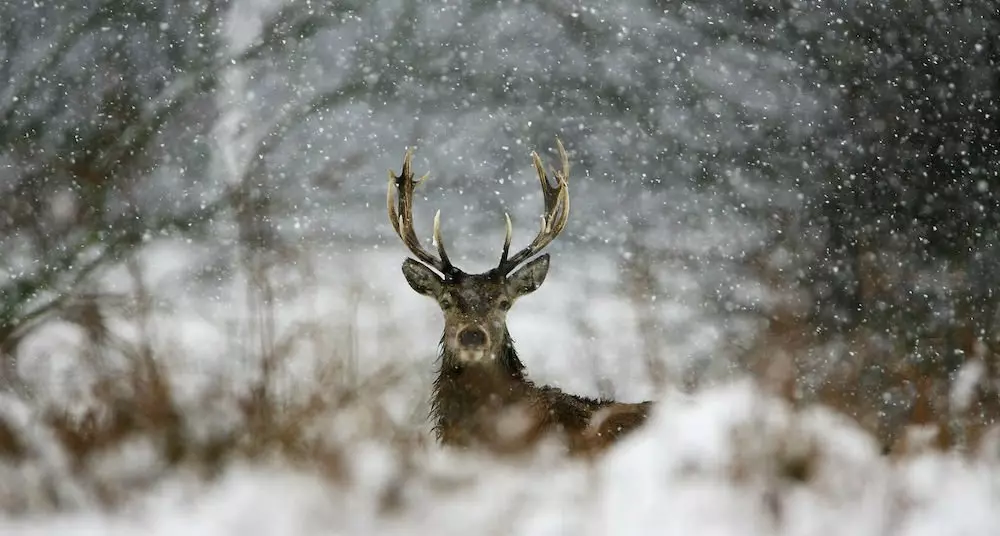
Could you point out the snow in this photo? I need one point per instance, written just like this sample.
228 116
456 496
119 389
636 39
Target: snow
848 147
709 463
727 459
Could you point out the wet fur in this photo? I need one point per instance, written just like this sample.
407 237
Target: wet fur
469 400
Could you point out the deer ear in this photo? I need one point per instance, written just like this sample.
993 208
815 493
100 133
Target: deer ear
529 277
421 278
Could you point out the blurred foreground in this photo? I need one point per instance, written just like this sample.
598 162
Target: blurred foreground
299 408
785 228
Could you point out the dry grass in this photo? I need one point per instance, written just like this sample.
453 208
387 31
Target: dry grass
141 415
938 390
134 427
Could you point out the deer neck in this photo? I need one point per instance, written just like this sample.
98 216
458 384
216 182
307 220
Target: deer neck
463 392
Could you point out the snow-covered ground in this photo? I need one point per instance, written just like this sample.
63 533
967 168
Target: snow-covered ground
727 460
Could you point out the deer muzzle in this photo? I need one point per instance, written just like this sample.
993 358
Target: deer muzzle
472 343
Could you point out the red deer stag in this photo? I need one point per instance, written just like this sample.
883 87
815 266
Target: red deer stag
481 396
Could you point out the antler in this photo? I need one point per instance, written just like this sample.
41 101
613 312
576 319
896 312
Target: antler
553 219
402 218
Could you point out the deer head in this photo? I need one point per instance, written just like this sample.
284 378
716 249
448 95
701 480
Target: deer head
475 305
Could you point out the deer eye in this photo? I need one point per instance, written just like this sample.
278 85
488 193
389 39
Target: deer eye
446 302
504 304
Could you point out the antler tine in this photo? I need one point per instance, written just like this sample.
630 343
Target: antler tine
556 200
438 242
401 216
506 240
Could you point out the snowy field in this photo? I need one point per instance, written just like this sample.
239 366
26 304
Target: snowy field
727 460
802 190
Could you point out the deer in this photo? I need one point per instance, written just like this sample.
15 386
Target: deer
481 395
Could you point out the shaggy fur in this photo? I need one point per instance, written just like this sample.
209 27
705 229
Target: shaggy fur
471 402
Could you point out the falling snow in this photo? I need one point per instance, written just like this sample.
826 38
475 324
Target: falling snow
785 229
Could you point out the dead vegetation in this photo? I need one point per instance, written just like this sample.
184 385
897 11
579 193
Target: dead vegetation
135 425
913 381
141 412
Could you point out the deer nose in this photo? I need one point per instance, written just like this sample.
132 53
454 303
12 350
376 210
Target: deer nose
472 336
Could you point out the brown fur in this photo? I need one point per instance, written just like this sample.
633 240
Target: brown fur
469 403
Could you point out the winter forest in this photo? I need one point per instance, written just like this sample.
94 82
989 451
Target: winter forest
785 233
